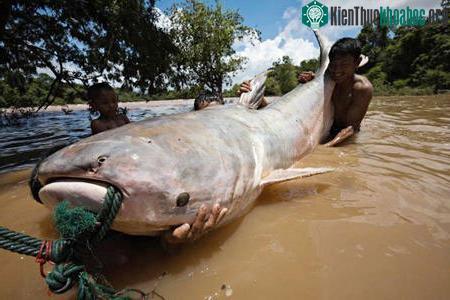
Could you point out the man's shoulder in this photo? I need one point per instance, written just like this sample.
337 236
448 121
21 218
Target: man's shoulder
362 86
98 124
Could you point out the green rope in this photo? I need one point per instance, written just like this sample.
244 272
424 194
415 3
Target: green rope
73 223
19 237
27 245
111 206
63 277
77 228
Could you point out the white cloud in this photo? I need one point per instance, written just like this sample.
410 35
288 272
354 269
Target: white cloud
296 40
292 40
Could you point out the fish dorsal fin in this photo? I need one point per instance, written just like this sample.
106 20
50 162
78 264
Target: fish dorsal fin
254 98
281 175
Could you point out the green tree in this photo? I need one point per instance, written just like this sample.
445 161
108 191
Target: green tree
309 65
408 57
205 36
374 39
83 41
233 92
285 74
399 56
272 87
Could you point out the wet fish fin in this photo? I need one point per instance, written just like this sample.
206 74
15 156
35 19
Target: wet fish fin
293 173
254 98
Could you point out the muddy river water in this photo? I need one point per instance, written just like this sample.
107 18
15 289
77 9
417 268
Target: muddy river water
376 228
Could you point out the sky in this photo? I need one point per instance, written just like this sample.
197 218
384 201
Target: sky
283 33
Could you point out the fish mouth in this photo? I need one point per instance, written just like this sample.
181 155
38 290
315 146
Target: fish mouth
90 194
86 193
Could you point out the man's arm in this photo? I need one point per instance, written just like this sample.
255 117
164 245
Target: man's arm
341 136
362 94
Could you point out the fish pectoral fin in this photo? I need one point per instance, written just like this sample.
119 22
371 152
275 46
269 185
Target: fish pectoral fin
254 98
280 175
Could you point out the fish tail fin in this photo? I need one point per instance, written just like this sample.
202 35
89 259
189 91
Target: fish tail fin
325 47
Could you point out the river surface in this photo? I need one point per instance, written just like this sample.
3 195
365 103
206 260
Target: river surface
376 228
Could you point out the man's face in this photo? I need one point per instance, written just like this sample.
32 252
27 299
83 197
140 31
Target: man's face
342 67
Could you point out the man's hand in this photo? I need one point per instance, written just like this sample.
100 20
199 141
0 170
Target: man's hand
304 77
341 136
205 220
245 87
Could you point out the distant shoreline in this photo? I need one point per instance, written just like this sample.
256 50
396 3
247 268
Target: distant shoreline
128 105
176 102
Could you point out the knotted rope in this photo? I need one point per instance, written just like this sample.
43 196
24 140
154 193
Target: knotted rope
78 229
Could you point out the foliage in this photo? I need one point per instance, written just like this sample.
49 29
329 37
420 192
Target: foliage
412 60
29 93
232 92
272 87
83 40
78 42
284 75
205 36
309 65
374 39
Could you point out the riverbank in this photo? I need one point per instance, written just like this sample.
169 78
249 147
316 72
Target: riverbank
128 105
178 102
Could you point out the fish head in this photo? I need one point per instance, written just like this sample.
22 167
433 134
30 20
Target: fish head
156 192
101 160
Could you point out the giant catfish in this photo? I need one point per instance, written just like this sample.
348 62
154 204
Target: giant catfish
224 155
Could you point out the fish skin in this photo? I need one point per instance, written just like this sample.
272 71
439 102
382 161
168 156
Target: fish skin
217 155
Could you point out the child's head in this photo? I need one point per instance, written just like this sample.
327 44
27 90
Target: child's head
200 103
103 98
345 56
204 99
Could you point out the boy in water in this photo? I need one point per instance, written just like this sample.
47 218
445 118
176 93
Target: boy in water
204 100
103 99
352 93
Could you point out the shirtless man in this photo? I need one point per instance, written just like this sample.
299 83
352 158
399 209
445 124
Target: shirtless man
352 93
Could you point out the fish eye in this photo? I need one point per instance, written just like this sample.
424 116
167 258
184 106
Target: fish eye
101 159
183 199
